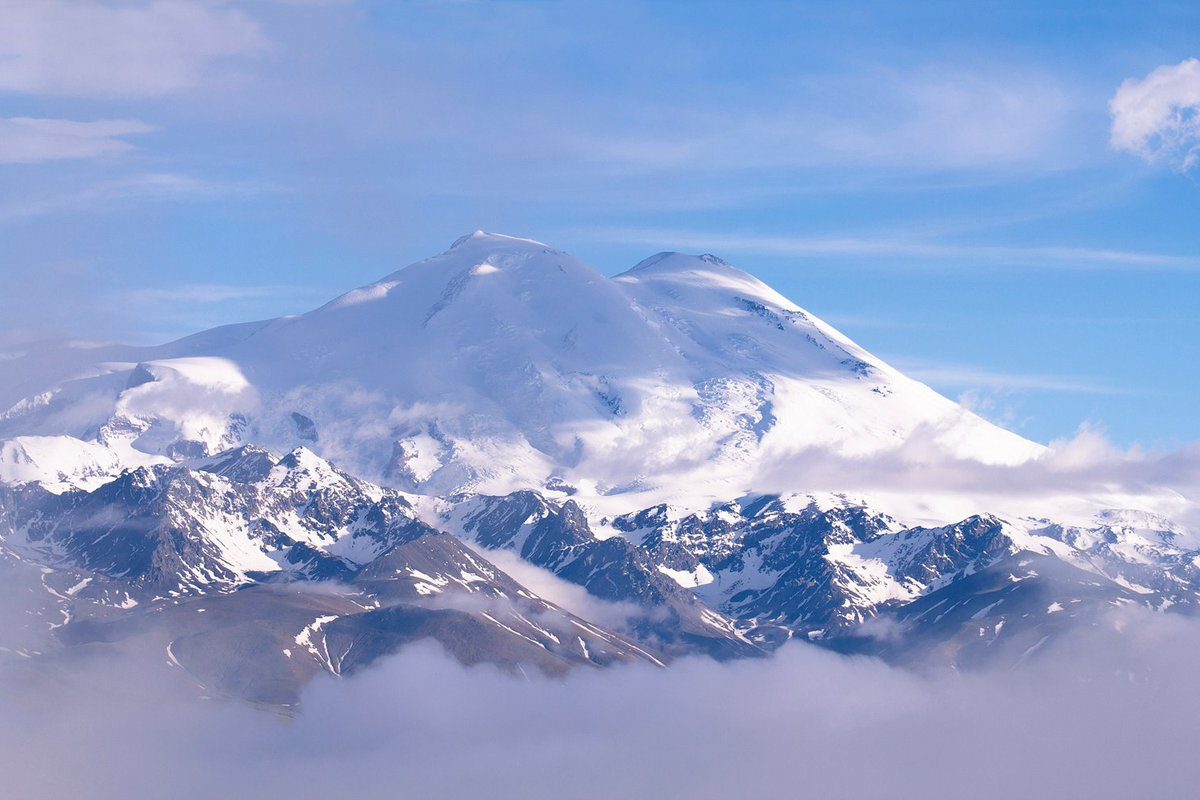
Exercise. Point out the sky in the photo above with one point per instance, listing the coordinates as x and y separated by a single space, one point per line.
1001 199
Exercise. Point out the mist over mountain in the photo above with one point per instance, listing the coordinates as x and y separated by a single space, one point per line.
681 460
809 721
812 416
499 520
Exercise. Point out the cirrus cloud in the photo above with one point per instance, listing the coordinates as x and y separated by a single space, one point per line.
28 140
86 48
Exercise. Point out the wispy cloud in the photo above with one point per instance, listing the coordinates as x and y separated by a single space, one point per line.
151 185
940 116
212 293
1158 117
166 313
29 140
84 48
965 255
960 376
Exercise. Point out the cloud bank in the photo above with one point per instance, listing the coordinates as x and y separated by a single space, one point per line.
1087 721
1073 479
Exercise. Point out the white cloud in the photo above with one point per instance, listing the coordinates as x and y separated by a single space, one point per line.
570 596
1069 482
107 195
1096 715
210 293
965 255
944 117
28 140
87 48
1158 117
962 376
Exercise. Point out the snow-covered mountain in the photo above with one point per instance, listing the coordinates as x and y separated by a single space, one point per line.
275 499
500 364
253 573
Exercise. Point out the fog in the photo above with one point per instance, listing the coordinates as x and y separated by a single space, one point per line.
1087 720
1074 478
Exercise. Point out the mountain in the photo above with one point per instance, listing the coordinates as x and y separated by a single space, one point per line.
254 573
502 364
264 502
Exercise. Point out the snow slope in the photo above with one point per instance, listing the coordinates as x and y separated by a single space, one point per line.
500 364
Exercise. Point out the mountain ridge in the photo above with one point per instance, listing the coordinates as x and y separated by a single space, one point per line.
271 501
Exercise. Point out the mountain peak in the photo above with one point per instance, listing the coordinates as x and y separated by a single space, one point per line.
710 268
487 239
701 274
674 261
502 362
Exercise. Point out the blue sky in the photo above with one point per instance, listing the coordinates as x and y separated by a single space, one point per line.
1000 198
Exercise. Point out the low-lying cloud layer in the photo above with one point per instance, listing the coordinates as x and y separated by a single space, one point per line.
1089 720
1073 479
